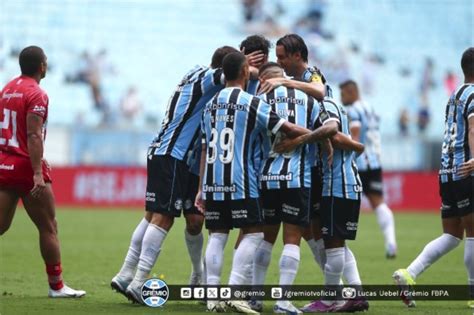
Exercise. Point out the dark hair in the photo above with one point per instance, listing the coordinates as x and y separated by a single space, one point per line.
254 43
293 43
348 83
269 65
219 55
232 65
467 62
31 58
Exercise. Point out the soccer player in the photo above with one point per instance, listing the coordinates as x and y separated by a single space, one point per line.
285 180
229 196
456 180
171 187
24 174
339 210
292 55
364 125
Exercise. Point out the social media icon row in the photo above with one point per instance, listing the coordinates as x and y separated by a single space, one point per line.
209 293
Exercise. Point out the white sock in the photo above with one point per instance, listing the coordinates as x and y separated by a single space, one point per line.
432 252
194 244
318 250
387 225
335 258
244 256
289 263
133 255
151 247
334 265
351 273
261 261
214 257
469 262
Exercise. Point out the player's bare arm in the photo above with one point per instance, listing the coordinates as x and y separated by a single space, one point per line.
293 131
343 142
199 202
34 126
467 168
355 131
314 89
326 131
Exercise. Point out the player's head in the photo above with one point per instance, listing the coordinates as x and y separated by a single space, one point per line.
236 68
33 62
349 92
467 63
270 70
219 55
291 53
256 43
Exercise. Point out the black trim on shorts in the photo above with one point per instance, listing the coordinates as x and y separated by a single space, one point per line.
339 217
372 181
229 214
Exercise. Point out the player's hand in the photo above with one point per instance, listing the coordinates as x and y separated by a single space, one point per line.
255 59
466 168
270 84
328 149
38 185
200 203
287 144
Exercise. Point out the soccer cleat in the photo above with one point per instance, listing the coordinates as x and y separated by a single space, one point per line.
240 307
285 308
353 305
391 252
133 292
256 305
319 307
470 304
66 292
119 285
405 282
216 306
195 279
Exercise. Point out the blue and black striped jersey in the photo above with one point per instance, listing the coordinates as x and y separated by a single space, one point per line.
180 126
341 179
232 124
291 169
455 149
362 115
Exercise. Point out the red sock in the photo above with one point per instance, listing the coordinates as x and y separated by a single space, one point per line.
55 277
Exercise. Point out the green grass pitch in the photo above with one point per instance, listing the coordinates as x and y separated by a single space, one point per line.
94 243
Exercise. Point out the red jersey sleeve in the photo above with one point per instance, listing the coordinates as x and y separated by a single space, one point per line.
37 103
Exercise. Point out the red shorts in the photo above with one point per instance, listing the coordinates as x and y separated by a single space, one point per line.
16 173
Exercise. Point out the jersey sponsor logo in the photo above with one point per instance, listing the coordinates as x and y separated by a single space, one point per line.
212 215
357 188
351 226
39 109
463 203
227 106
7 167
8 96
219 188
285 99
239 214
276 177
286 208
447 171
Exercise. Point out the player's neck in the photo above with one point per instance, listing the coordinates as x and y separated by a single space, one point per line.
300 69
468 80
237 83
36 77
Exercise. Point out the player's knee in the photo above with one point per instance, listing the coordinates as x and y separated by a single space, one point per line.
194 227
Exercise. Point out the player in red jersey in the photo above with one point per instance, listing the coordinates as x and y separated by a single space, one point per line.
23 171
